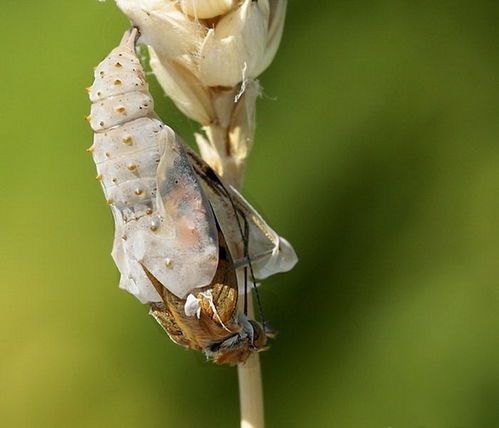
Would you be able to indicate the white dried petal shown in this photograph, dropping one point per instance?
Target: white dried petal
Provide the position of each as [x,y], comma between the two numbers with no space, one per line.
[186,91]
[230,169]
[208,153]
[223,104]
[203,9]
[163,26]
[217,136]
[242,125]
[234,49]
[276,27]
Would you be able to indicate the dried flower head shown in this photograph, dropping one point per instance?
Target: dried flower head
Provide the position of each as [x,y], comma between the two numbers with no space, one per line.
[206,55]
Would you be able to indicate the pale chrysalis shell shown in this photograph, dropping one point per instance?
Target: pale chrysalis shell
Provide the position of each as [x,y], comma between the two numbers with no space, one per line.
[162,218]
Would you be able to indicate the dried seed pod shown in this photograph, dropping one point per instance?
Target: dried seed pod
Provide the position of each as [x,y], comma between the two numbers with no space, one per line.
[203,50]
[234,49]
[202,9]
[184,88]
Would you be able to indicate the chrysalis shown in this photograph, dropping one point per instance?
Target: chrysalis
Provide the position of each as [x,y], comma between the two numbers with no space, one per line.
[162,217]
[179,244]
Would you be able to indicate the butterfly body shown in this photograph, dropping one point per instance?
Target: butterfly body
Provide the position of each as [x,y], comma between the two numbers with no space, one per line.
[216,328]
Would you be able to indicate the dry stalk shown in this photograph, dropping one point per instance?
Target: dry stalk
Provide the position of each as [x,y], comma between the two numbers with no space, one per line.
[250,386]
[207,54]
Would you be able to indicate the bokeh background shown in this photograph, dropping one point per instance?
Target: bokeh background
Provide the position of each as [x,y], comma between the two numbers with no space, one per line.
[377,155]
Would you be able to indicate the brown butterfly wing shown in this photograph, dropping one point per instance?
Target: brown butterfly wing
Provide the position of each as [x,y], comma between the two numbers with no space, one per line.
[218,315]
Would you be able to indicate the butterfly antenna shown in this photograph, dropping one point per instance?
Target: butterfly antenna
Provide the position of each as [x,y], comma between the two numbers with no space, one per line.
[244,231]
[245,290]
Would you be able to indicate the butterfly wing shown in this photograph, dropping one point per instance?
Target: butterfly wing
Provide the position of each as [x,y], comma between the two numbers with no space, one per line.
[268,252]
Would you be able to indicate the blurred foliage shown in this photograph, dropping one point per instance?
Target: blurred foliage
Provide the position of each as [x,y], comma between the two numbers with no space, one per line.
[377,155]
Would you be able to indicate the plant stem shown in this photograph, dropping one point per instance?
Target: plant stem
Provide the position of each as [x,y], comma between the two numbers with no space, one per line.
[250,386]
[249,373]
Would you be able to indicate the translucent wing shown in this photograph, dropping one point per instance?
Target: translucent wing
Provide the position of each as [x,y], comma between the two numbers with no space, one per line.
[268,252]
[178,244]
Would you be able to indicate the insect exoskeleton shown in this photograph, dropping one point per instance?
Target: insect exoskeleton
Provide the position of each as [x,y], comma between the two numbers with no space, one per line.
[147,179]
[126,145]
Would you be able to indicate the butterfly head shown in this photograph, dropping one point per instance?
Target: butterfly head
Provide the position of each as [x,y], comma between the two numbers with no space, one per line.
[237,348]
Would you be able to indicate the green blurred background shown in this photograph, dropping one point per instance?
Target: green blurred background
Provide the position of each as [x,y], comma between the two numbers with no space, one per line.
[377,156]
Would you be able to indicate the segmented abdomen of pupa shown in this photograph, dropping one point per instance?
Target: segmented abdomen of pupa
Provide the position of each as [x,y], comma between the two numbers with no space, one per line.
[125,149]
[135,154]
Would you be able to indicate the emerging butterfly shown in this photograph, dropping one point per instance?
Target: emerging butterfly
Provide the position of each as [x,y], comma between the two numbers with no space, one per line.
[185,243]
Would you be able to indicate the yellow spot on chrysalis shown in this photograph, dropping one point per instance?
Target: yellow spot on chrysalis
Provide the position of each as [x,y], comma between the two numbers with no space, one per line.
[169,263]
[90,149]
[131,166]
[99,177]
[88,89]
[120,109]
[155,223]
[88,118]
[127,139]
[139,192]
[109,202]
[117,82]
[124,237]
[107,154]
[118,65]
[149,211]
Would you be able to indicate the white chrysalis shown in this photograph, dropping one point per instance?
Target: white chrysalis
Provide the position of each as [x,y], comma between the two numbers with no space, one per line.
[163,220]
